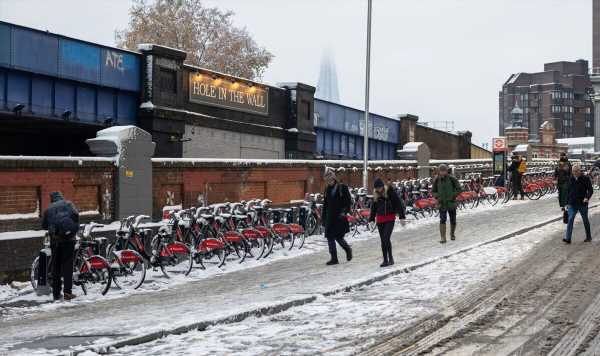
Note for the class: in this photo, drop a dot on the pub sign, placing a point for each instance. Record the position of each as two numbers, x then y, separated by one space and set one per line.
213 89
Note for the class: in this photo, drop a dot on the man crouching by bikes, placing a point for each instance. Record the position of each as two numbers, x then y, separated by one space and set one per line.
61 219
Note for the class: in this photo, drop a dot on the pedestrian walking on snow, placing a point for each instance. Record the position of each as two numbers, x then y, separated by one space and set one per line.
579 193
61 219
445 189
336 206
386 205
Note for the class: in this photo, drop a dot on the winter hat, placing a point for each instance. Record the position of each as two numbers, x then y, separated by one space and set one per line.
378 183
56 196
443 168
329 174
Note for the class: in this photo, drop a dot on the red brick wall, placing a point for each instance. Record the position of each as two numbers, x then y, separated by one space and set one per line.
25 183
219 182
18 199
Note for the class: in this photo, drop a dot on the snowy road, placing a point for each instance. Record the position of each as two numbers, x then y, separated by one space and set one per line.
101 321
347 322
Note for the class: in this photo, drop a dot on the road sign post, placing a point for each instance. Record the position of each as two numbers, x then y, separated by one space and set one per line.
499 149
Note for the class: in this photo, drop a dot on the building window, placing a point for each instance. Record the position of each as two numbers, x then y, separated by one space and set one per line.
555 95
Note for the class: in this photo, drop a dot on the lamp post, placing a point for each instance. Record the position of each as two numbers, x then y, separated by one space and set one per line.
368 75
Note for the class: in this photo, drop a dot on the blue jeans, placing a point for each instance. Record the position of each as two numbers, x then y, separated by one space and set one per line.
583 210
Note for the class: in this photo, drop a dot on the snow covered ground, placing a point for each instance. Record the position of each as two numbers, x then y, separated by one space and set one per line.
27 301
208 295
344 323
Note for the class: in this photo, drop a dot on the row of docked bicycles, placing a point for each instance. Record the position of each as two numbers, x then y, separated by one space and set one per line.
205 236
214 235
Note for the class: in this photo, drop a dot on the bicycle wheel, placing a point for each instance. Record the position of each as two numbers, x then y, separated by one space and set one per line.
492 199
95 277
311 224
240 249
177 262
129 271
214 258
301 237
34 274
256 247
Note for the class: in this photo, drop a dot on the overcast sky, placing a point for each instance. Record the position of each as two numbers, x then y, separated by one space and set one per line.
438 59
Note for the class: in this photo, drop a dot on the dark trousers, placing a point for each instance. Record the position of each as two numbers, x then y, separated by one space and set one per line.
331 240
517 186
583 210
385 234
62 266
444 216
562 194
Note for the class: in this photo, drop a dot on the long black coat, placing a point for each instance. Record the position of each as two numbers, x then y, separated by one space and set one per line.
335 207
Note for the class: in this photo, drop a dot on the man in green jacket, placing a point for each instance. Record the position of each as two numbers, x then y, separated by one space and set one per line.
445 189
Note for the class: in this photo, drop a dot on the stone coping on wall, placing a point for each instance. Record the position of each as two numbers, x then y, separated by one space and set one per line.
235 162
54 162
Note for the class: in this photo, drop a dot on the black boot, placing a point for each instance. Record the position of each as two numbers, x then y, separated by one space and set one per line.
389 253
332 252
349 254
385 263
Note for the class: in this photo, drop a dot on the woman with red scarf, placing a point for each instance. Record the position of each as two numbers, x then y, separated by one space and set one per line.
386 205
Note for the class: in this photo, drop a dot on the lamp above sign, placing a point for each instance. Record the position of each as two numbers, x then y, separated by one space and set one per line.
216 90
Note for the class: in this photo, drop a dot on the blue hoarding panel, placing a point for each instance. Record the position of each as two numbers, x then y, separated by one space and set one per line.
106 104
34 51
18 90
343 119
79 61
4 45
41 96
86 104
65 97
120 70
126 108
2 88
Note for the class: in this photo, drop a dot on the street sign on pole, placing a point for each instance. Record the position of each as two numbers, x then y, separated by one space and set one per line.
499 144
368 75
499 148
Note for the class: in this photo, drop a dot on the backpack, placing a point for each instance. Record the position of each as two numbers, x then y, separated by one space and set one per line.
63 223
522 167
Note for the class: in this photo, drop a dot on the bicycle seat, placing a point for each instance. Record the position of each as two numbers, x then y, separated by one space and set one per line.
225 215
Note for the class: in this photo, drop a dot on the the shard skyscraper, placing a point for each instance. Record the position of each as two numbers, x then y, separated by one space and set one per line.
327 87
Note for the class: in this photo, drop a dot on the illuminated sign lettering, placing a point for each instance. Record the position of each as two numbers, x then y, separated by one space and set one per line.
210 89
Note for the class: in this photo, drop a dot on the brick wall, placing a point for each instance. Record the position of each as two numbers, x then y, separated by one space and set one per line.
186 182
25 185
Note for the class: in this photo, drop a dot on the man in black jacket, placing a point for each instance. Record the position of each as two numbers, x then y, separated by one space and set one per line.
579 193
336 206
61 219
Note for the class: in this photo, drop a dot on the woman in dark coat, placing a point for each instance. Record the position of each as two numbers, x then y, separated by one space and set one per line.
386 205
562 174
516 177
336 206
